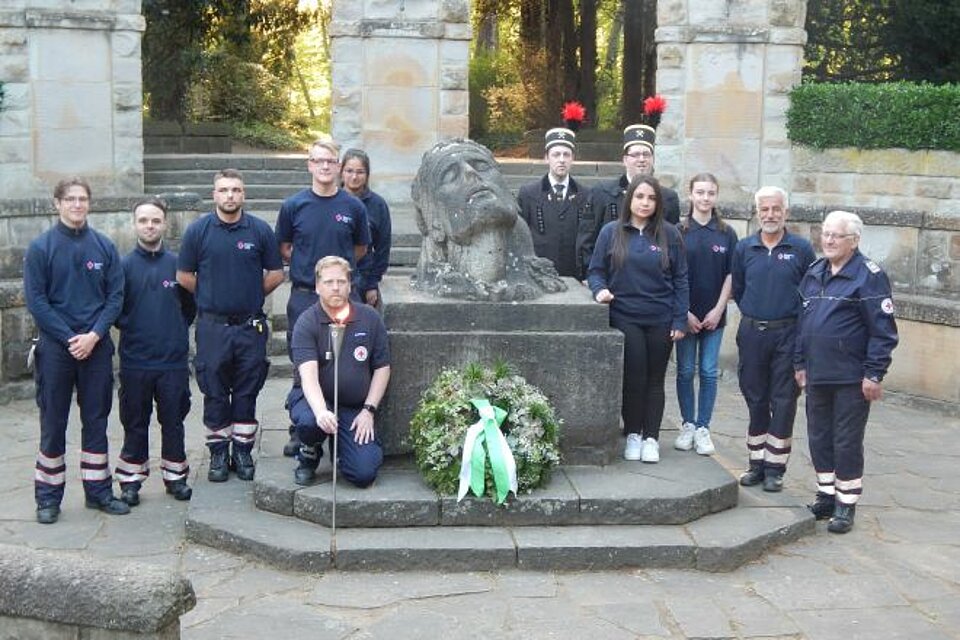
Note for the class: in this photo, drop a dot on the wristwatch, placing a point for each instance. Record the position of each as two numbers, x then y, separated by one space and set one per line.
371 408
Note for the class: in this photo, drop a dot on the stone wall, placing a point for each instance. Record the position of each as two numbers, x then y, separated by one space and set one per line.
399 83
71 70
726 68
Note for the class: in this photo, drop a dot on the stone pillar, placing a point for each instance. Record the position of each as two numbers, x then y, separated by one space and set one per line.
399 84
726 67
71 74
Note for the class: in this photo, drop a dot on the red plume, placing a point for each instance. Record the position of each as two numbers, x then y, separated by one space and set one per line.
573 114
653 108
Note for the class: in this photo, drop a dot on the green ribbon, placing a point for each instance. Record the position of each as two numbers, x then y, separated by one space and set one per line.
487 446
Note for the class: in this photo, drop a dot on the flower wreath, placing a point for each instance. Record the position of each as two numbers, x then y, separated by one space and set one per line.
445 414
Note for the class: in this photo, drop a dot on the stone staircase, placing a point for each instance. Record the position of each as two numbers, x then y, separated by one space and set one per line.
685 512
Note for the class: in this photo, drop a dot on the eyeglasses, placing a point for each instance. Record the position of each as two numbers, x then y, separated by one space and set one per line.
640 155
75 199
829 235
323 161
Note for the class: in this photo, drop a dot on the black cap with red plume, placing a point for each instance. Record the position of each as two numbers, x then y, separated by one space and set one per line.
574 114
653 108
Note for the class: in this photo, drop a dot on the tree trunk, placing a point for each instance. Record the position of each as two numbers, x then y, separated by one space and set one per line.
588 59
487 39
639 58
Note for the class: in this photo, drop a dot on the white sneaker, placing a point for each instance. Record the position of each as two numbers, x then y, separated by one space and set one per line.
684 441
651 451
704 442
634 448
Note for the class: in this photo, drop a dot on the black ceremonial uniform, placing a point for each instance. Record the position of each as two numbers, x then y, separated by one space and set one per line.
561 226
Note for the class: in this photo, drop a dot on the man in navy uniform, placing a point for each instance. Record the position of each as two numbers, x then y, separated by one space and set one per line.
323 220
639 143
230 261
557 209
73 284
846 336
364 371
154 345
767 268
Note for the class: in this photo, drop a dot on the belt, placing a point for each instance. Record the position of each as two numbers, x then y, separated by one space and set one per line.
231 320
297 287
763 325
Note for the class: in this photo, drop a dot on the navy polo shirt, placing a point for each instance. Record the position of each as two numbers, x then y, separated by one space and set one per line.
709 259
365 349
847 328
156 312
229 260
72 282
373 265
765 280
320 226
644 292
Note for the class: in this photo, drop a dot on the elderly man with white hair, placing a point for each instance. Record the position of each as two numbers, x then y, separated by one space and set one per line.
846 335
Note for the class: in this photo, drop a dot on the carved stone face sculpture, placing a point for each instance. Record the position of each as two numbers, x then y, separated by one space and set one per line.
474 246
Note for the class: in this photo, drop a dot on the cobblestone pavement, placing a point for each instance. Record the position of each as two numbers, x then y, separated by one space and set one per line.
897 575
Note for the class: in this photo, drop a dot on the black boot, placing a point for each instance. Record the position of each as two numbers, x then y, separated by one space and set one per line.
48 514
773 481
243 463
306 471
753 475
113 506
842 520
823 506
293 445
179 490
219 470
130 493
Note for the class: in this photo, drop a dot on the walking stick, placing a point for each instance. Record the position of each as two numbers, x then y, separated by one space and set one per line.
336 338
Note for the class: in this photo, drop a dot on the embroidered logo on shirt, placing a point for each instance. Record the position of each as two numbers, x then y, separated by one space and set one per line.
654 247
718 249
360 354
169 283
245 246
785 256
94 266
887 306
344 218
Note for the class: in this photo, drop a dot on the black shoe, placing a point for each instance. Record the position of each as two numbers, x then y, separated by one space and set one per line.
773 482
304 475
842 520
112 506
130 495
823 506
218 471
48 514
243 463
752 476
179 490
293 445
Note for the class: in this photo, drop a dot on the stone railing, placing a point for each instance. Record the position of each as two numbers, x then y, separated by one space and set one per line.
46 594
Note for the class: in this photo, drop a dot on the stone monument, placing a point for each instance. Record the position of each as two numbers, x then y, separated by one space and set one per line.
480 294
474 245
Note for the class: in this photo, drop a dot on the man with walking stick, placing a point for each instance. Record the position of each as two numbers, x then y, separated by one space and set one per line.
355 372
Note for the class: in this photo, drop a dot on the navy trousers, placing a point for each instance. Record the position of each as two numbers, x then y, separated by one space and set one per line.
139 389
231 367
836 423
770 391
57 374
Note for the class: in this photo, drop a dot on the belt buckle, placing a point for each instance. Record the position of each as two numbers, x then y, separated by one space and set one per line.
761 325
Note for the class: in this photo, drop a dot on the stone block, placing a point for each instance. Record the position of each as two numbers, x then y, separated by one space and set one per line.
459 31
428 334
723 114
125 44
775 161
836 184
453 78
67 55
556 503
934 187
347 12
670 56
16 68
344 29
938 273
722 545
453 103
919 366
454 52
454 548
592 548
400 63
938 163
787 13
16 96
671 12
792 36
14 150
16 122
399 498
899 162
455 11
710 13
453 127
670 80
347 74
734 160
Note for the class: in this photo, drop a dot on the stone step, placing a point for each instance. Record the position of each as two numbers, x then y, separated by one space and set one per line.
224 516
682 489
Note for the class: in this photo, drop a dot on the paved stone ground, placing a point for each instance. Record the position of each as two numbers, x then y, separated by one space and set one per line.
897 575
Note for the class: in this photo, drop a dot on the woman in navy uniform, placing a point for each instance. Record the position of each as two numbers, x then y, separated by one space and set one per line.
846 337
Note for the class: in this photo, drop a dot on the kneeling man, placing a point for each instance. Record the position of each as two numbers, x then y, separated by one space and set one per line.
364 371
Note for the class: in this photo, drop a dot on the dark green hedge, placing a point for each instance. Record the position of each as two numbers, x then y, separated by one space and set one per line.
875 116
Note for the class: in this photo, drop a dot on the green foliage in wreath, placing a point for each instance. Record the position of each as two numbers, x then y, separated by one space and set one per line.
445 413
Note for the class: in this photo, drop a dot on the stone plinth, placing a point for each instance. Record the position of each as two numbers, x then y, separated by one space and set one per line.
561 343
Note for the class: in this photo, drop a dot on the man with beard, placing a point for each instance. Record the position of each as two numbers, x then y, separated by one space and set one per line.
766 270
230 261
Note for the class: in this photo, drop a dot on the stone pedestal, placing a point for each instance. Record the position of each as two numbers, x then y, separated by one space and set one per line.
399 84
562 343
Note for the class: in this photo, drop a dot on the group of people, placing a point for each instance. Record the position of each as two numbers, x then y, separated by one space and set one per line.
335 237
825 325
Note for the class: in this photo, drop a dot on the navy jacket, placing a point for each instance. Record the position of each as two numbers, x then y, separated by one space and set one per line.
156 312
73 282
765 280
644 292
373 265
847 331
